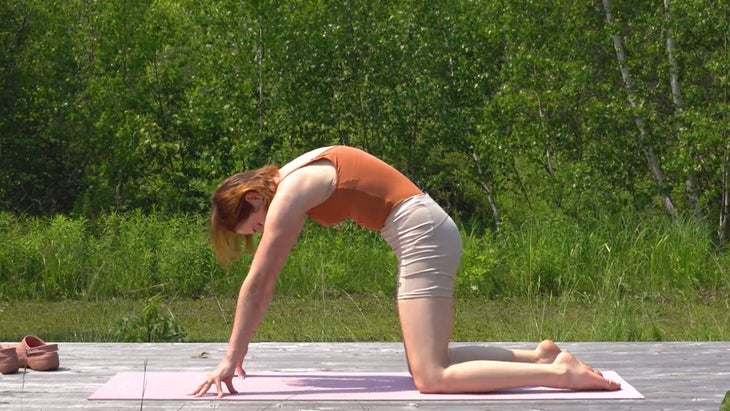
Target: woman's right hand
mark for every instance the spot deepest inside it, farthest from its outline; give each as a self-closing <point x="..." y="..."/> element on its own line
<point x="223" y="374"/>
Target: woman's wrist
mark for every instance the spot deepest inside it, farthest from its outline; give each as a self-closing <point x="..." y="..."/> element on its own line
<point x="235" y="353"/>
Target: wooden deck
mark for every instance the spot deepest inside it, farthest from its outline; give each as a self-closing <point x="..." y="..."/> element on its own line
<point x="672" y="376"/>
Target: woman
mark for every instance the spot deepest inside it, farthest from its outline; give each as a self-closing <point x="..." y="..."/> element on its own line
<point x="332" y="184"/>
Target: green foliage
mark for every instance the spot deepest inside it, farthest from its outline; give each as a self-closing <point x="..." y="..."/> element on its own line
<point x="373" y="317"/>
<point x="110" y="107"/>
<point x="131" y="255"/>
<point x="613" y="257"/>
<point x="139" y="256"/>
<point x="725" y="405"/>
<point x="150" y="325"/>
<point x="117" y="120"/>
<point x="349" y="260"/>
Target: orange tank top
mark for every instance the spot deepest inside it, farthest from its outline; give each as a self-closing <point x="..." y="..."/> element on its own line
<point x="367" y="189"/>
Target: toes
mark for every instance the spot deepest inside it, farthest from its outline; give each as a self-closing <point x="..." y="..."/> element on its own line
<point x="612" y="385"/>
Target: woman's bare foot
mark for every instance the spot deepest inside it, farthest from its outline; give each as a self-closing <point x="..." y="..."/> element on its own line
<point x="546" y="352"/>
<point x="579" y="376"/>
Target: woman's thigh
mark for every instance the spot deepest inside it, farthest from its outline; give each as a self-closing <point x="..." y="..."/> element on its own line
<point x="427" y="324"/>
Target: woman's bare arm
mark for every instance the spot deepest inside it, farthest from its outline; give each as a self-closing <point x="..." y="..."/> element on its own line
<point x="299" y="192"/>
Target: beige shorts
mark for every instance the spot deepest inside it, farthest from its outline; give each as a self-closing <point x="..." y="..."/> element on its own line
<point x="427" y="245"/>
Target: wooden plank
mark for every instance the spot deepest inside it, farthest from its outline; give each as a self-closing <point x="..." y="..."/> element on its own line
<point x="672" y="376"/>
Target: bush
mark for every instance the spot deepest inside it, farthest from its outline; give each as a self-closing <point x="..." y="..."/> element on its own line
<point x="139" y="256"/>
<point x="150" y="326"/>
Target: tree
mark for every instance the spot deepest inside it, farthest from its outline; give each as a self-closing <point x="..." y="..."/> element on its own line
<point x="651" y="158"/>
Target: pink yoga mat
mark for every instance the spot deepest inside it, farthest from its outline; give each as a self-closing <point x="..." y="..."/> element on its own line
<point x="326" y="386"/>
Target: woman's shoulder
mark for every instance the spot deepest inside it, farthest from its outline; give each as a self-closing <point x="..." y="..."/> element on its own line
<point x="301" y="161"/>
<point x="308" y="185"/>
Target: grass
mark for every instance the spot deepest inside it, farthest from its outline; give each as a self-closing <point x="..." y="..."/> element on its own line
<point x="374" y="318"/>
<point x="638" y="278"/>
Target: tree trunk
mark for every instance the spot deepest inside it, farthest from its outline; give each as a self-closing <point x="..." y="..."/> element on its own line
<point x="651" y="158"/>
<point x="544" y="128"/>
<point x="678" y="101"/>
<point x="260" y="97"/>
<point x="488" y="191"/>
<point x="724" y="226"/>
<point x="673" y="66"/>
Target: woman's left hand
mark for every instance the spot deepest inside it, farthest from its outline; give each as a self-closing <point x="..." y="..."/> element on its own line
<point x="223" y="374"/>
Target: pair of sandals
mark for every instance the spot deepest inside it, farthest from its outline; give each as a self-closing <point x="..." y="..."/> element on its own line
<point x="32" y="352"/>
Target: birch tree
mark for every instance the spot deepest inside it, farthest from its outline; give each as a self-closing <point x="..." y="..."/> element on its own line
<point x="678" y="102"/>
<point x="652" y="160"/>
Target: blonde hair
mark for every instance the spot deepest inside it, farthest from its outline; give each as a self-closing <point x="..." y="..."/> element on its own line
<point x="229" y="208"/>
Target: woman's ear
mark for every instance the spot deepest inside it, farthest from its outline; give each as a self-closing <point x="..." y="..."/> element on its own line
<point x="252" y="196"/>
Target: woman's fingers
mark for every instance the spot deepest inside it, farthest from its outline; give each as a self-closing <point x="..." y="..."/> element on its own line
<point x="205" y="387"/>
<point x="197" y="390"/>
<point x="229" y="384"/>
<point x="202" y="389"/>
<point x="240" y="372"/>
<point x="223" y="374"/>
<point x="218" y="387"/>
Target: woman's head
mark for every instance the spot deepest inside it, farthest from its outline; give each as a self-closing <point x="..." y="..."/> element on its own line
<point x="230" y="208"/>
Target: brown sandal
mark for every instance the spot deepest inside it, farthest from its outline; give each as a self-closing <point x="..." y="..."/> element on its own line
<point x="35" y="354"/>
<point x="8" y="360"/>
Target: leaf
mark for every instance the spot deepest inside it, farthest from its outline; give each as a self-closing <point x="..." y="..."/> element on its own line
<point x="725" y="405"/>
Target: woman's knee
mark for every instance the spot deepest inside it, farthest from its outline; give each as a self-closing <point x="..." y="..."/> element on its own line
<point x="429" y="382"/>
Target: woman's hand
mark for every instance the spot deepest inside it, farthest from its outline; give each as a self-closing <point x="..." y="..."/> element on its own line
<point x="223" y="374"/>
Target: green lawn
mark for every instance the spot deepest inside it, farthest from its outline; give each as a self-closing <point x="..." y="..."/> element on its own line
<point x="374" y="318"/>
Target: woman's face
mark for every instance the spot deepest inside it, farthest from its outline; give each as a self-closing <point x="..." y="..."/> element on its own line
<point x="255" y="221"/>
